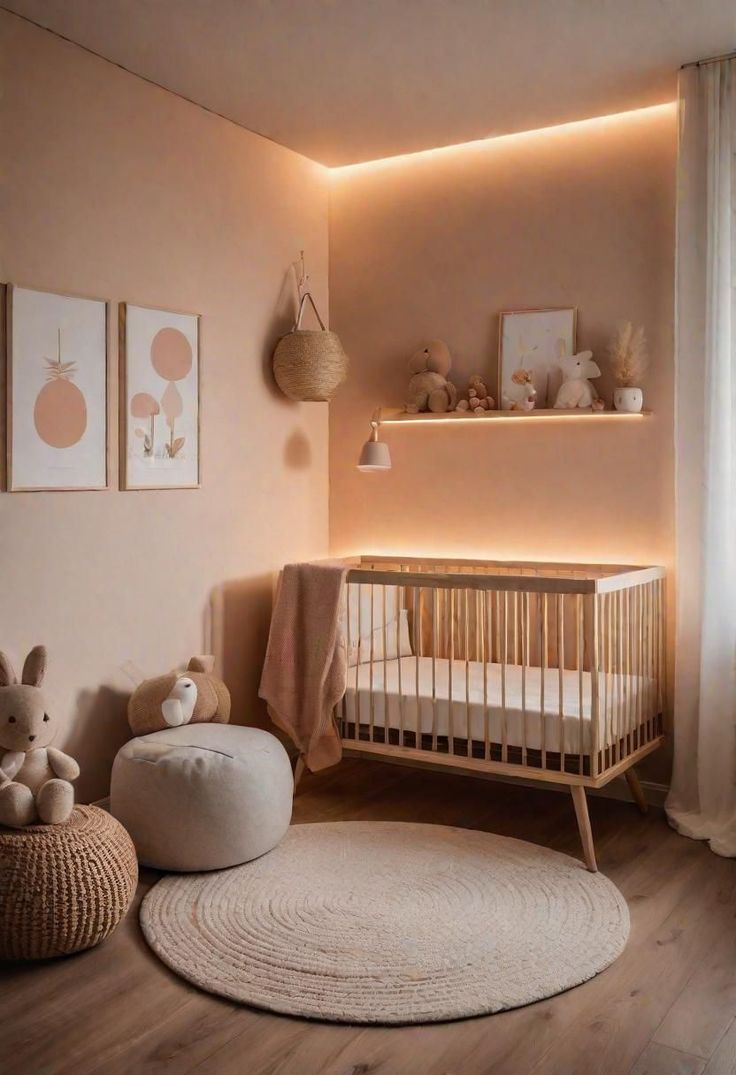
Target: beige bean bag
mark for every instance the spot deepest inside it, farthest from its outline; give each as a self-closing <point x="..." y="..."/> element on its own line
<point x="202" y="796"/>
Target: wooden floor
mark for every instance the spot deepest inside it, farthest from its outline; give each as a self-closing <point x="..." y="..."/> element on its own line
<point x="666" y="1007"/>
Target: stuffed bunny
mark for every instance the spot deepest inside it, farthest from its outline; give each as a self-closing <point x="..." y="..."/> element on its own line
<point x="429" y="389"/>
<point x="34" y="777"/>
<point x="576" y="390"/>
<point x="169" y="701"/>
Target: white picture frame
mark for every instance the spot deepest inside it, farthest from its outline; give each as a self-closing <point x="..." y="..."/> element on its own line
<point x="57" y="376"/>
<point x="159" y="398"/>
<point x="535" y="340"/>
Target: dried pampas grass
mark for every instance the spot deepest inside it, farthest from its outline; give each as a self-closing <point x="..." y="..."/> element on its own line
<point x="628" y="354"/>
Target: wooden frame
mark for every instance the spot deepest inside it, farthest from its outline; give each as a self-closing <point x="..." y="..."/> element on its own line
<point x="583" y="642"/>
<point x="10" y="290"/>
<point x="123" y="396"/>
<point x="533" y="310"/>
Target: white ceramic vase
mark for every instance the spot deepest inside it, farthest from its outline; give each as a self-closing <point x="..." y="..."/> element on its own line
<point x="628" y="400"/>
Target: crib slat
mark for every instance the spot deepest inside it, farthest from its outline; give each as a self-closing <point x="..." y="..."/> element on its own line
<point x="400" y="599"/>
<point x="485" y="657"/>
<point x="468" y="739"/>
<point x="371" y="716"/>
<point x="594" y="693"/>
<point x="561" y="677"/>
<point x="542" y="675"/>
<point x="524" y="660"/>
<point x="435" y="599"/>
<point x="579" y="667"/>
<point x="384" y="637"/>
<point x="417" y="647"/>
<point x="504" y="658"/>
<point x="450" y="668"/>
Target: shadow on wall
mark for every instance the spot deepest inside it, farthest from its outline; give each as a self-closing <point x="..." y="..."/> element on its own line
<point x="98" y="731"/>
<point x="236" y="632"/>
<point x="298" y="451"/>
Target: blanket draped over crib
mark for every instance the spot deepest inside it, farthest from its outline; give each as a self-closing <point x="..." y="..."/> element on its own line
<point x="305" y="670"/>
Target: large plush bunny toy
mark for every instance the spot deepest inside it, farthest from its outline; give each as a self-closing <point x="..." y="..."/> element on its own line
<point x="35" y="778"/>
<point x="576" y="390"/>
<point x="429" y="389"/>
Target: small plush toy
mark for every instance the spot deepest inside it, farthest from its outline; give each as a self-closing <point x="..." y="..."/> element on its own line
<point x="522" y="394"/>
<point x="34" y="777"/>
<point x="190" y="697"/>
<point x="576" y="390"/>
<point x="429" y="389"/>
<point x="478" y="400"/>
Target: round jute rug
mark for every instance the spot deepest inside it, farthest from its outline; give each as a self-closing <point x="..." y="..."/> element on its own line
<point x="385" y="922"/>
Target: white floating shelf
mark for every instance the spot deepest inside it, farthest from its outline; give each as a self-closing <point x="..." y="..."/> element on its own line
<point x="396" y="416"/>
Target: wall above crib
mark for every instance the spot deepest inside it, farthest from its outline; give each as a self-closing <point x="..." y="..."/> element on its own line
<point x="433" y="248"/>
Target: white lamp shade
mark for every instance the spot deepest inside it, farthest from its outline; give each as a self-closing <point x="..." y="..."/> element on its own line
<point x="374" y="456"/>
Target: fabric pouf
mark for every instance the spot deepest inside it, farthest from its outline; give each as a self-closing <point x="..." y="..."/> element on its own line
<point x="64" y="888"/>
<point x="202" y="796"/>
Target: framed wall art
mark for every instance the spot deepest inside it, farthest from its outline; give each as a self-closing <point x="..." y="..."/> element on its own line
<point x="159" y="399"/>
<point x="534" y="340"/>
<point x="57" y="391"/>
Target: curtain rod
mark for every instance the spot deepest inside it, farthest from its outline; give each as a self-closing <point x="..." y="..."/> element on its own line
<point x="709" y="59"/>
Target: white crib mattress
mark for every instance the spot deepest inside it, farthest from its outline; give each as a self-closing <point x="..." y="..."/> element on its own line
<point x="377" y="688"/>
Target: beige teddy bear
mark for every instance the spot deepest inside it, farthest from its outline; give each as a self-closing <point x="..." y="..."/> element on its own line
<point x="178" y="698"/>
<point x="35" y="778"/>
<point x="479" y="401"/>
<point x="429" y="389"/>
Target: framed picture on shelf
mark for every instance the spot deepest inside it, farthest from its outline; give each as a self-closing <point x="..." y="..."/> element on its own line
<point x="57" y="391"/>
<point x="535" y="341"/>
<point x="159" y="399"/>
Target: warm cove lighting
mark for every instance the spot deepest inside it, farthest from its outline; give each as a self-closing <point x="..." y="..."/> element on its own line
<point x="519" y="419"/>
<point x="652" y="111"/>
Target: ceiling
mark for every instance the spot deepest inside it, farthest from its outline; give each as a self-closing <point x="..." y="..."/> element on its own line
<point x="351" y="80"/>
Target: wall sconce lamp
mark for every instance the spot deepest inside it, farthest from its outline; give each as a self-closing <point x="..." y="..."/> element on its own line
<point x="375" y="454"/>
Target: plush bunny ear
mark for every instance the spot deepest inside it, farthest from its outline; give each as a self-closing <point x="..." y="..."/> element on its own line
<point x="205" y="663"/>
<point x="34" y="667"/>
<point x="7" y="675"/>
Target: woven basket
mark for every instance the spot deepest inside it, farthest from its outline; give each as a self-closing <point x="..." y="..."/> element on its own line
<point x="64" y="887"/>
<point x="309" y="365"/>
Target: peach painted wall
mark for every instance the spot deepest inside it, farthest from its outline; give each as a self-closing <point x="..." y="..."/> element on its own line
<point x="114" y="188"/>
<point x="435" y="247"/>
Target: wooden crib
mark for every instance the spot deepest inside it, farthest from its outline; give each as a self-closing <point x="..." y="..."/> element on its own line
<point x="537" y="670"/>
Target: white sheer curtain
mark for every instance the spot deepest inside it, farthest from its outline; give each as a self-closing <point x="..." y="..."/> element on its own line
<point x="702" y="802"/>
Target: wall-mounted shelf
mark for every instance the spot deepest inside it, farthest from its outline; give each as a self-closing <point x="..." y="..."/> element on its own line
<point x="396" y="416"/>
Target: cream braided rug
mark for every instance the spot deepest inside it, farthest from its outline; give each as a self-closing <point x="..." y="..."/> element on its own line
<point x="385" y="922"/>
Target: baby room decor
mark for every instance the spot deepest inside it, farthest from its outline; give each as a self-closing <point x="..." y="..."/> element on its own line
<point x="309" y="364"/>
<point x="65" y="887"/>
<point x="56" y="391"/>
<point x="374" y="454"/>
<point x="202" y="796"/>
<point x="576" y="390"/>
<point x="168" y="701"/>
<point x="388" y="922"/>
<point x="521" y="395"/>
<point x="479" y="399"/>
<point x="554" y="672"/>
<point x="535" y="340"/>
<point x="159" y="398"/>
<point x="429" y="388"/>
<point x="35" y="778"/>
<point x="629" y="360"/>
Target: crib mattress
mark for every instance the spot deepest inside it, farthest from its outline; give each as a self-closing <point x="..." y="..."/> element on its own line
<point x="407" y="693"/>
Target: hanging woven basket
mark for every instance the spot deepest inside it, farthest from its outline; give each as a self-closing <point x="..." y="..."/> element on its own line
<point x="309" y="364"/>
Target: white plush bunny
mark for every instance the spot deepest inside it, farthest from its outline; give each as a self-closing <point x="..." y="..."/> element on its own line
<point x="576" y="390"/>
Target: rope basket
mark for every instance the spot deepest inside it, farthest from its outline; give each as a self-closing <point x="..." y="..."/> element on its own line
<point x="64" y="888"/>
<point x="309" y="365"/>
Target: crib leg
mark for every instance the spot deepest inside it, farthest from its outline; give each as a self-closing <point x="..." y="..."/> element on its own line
<point x="299" y="769"/>
<point x="586" y="833"/>
<point x="636" y="790"/>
